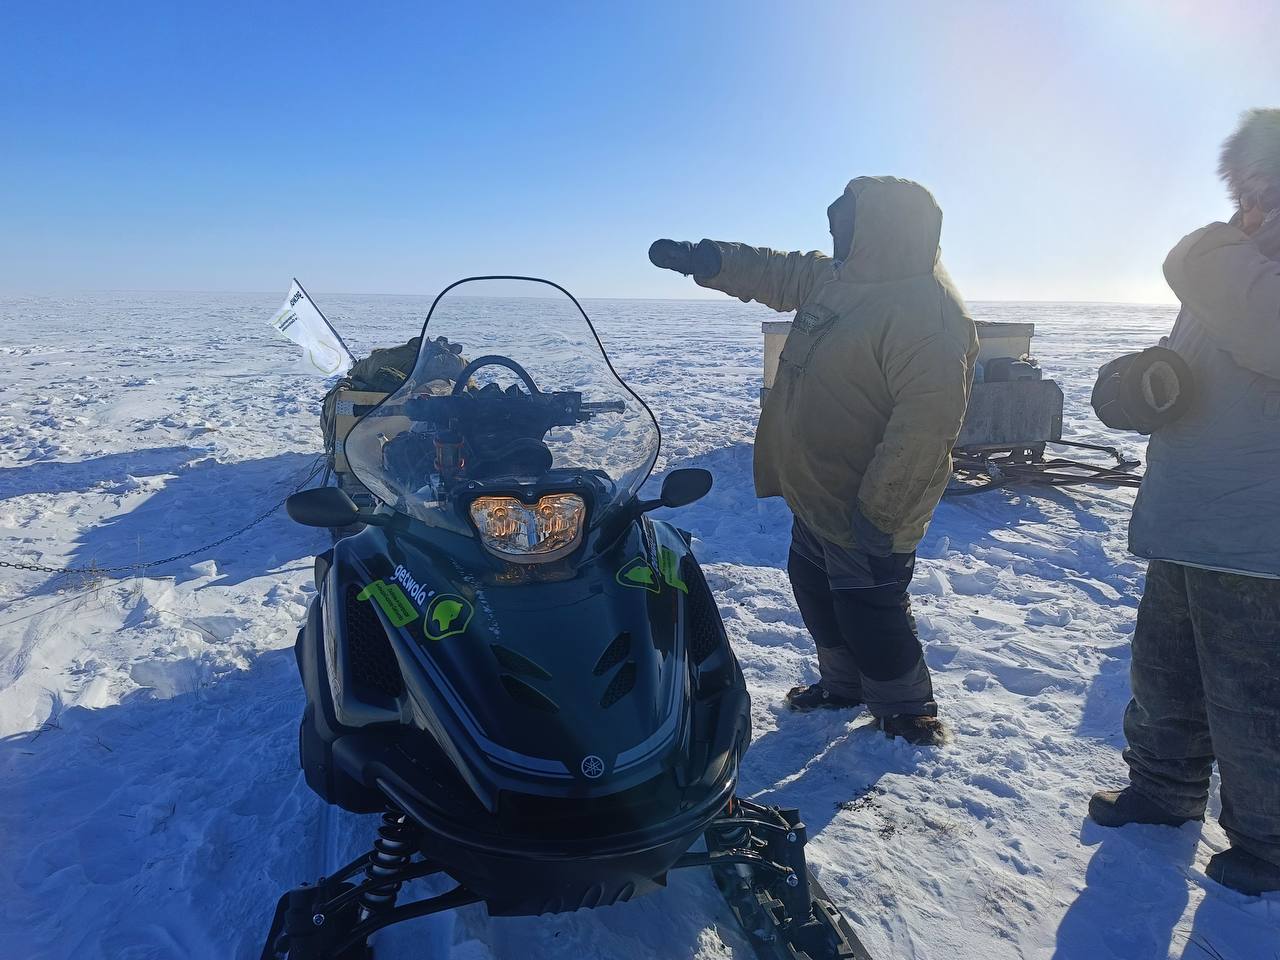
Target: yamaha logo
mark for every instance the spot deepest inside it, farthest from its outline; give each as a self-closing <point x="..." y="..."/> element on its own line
<point x="592" y="767"/>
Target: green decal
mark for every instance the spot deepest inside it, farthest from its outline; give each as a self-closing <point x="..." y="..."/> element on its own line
<point x="447" y="615"/>
<point x="638" y="573"/>
<point x="669" y="564"/>
<point x="392" y="600"/>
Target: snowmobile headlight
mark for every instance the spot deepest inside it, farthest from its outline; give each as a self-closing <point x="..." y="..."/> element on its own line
<point x="528" y="533"/>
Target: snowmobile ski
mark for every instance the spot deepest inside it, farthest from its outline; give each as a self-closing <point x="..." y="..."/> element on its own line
<point x="776" y="898"/>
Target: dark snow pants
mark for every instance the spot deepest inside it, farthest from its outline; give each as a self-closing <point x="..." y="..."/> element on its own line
<point x="858" y="611"/>
<point x="1206" y="686"/>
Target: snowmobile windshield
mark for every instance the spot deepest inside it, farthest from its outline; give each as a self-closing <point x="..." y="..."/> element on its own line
<point x="513" y="424"/>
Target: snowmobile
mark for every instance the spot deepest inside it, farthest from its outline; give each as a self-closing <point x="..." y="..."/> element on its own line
<point x="516" y="665"/>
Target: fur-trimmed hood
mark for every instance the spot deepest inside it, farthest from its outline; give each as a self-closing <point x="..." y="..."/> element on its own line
<point x="1252" y="151"/>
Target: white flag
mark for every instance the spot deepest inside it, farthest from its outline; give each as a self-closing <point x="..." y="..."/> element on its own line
<point x="302" y="322"/>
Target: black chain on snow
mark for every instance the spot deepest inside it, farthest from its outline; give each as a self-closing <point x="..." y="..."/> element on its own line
<point x="39" y="568"/>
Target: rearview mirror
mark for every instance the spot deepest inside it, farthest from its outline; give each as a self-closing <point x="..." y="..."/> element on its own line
<point x="683" y="487"/>
<point x="322" y="507"/>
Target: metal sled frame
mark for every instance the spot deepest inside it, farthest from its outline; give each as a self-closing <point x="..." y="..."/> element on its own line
<point x="977" y="470"/>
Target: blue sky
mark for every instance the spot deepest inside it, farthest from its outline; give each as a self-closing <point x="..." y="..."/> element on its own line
<point x="391" y="148"/>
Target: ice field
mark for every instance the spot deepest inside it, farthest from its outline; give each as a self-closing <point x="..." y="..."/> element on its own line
<point x="150" y="801"/>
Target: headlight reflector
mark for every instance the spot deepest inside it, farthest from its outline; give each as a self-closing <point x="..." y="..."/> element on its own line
<point x="524" y="533"/>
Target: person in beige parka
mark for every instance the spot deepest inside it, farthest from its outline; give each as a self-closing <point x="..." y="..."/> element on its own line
<point x="856" y="433"/>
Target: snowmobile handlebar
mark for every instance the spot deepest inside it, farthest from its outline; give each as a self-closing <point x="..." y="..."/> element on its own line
<point x="591" y="408"/>
<point x="491" y="404"/>
<point x="492" y="360"/>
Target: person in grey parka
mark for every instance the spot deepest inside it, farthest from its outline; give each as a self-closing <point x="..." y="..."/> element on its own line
<point x="1206" y="648"/>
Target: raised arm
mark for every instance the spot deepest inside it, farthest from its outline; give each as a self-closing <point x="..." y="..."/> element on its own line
<point x="1234" y="292"/>
<point x="781" y="281"/>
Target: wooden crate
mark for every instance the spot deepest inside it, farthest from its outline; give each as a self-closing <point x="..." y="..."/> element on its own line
<point x="350" y="406"/>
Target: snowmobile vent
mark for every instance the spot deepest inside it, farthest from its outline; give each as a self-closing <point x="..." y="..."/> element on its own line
<point x="517" y="662"/>
<point x="622" y="683"/>
<point x="373" y="664"/>
<point x="614" y="654"/>
<point x="703" y="628"/>
<point x="521" y="692"/>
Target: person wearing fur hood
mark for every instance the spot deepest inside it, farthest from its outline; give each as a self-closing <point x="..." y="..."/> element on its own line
<point x="856" y="434"/>
<point x="1206" y="648"/>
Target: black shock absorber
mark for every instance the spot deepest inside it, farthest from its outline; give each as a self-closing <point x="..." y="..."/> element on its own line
<point x="733" y="879"/>
<point x="727" y="835"/>
<point x="730" y="837"/>
<point x="392" y="851"/>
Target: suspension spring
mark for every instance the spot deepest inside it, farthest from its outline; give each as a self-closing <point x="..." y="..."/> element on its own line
<point x="735" y="836"/>
<point x="392" y="851"/>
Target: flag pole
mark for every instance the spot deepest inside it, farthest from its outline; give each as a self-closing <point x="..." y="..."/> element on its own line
<point x="332" y="330"/>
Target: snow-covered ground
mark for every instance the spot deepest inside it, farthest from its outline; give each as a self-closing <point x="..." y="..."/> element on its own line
<point x="150" y="802"/>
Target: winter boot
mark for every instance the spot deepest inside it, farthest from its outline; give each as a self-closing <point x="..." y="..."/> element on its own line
<point x="1117" y="808"/>
<point x="815" y="696"/>
<point x="1241" y="870"/>
<point x="920" y="731"/>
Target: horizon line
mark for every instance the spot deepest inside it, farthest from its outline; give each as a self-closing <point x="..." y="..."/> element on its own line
<point x="711" y="299"/>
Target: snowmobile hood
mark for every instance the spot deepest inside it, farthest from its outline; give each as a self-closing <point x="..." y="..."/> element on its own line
<point x="574" y="687"/>
<point x="896" y="228"/>
<point x="573" y="682"/>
